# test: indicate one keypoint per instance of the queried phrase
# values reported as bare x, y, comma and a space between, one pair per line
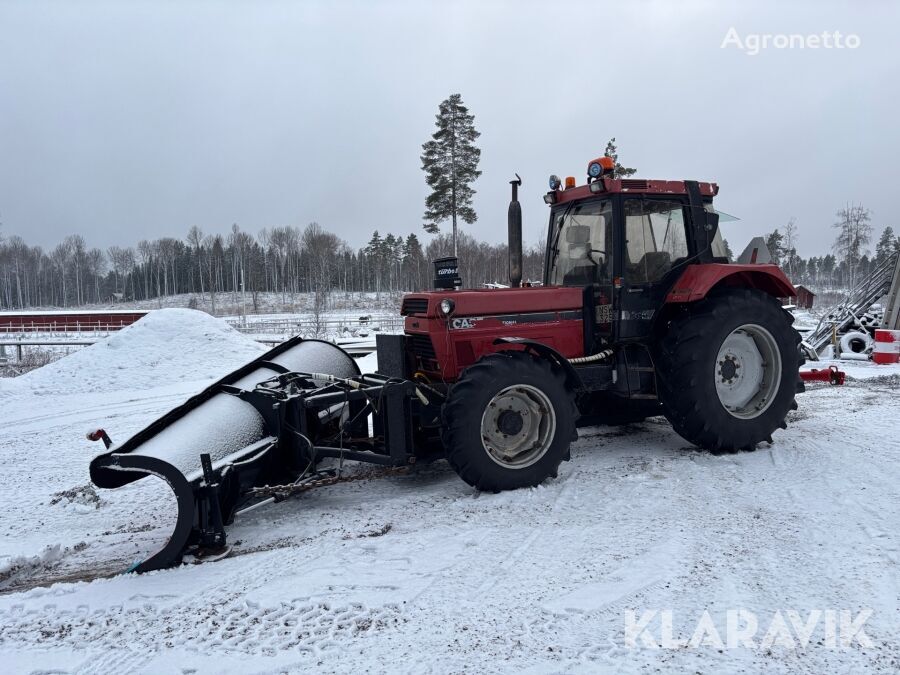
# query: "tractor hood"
490, 301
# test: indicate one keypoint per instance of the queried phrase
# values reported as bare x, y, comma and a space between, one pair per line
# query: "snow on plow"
231, 437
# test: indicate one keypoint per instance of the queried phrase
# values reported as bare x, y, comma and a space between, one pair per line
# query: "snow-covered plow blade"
266, 424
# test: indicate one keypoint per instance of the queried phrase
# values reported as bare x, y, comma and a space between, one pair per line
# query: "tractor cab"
629, 240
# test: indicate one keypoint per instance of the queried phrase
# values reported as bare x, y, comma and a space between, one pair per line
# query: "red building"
68, 320
804, 298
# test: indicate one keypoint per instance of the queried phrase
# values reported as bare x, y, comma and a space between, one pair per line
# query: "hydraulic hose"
599, 356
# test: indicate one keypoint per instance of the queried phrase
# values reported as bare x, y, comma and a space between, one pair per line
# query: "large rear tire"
728, 369
508, 422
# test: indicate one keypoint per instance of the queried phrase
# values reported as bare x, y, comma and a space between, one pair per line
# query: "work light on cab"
600, 166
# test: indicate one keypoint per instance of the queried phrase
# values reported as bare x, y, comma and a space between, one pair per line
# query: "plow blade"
218, 444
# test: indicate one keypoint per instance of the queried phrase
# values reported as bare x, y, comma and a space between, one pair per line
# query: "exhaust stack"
514, 226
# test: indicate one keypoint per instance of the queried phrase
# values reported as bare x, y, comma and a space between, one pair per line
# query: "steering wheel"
590, 255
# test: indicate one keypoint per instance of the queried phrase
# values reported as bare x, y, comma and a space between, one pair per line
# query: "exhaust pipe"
514, 227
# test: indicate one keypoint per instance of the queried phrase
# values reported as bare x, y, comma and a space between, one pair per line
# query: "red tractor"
639, 313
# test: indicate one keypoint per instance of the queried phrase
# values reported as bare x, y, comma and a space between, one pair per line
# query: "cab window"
655, 238
580, 245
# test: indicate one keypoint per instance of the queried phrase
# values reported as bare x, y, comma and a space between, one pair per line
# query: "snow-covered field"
421, 573
234, 304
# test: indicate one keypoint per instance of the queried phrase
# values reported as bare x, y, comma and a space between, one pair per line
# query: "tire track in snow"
121, 659
211, 624
220, 594
219, 614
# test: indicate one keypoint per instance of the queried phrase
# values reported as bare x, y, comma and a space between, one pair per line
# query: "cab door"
579, 254
654, 249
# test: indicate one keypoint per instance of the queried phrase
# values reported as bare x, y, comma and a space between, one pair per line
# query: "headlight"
447, 305
594, 169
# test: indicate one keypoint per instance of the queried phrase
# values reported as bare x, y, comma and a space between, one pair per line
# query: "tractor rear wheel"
508, 422
728, 370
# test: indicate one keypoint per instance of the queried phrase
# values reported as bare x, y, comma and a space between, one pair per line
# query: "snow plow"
639, 313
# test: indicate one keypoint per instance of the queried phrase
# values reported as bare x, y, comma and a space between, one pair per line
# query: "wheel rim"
518, 426
747, 371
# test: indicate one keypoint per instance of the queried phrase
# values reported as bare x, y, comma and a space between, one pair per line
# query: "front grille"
414, 306
634, 184
421, 346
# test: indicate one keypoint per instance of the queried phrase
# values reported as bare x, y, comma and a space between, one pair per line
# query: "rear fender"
697, 281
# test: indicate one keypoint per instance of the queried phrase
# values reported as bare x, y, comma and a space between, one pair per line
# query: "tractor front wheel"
728, 369
508, 422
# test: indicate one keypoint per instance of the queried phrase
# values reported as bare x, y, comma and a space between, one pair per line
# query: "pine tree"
450, 162
728, 252
829, 265
392, 246
375, 251
887, 245
413, 263
775, 244
612, 151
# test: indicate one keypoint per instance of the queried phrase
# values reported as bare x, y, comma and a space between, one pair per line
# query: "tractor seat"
582, 270
582, 275
652, 265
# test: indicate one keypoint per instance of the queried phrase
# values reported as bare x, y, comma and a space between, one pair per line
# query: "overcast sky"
128, 120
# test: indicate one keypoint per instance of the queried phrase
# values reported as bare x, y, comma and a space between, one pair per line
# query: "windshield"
580, 239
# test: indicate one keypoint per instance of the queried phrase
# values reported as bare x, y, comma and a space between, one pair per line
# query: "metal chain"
280, 492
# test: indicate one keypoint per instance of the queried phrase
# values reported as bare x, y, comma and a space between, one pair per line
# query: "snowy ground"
422, 574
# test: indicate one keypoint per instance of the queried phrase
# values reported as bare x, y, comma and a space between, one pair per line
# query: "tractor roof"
631, 186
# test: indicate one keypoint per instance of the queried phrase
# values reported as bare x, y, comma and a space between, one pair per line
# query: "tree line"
851, 259
290, 260
285, 261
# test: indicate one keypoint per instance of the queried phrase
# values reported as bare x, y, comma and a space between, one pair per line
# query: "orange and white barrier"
887, 346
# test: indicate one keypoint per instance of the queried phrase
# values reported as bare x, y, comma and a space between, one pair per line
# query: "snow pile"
10, 566
166, 346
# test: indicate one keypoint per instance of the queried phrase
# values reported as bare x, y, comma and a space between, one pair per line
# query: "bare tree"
129, 263
854, 232
195, 240
145, 255
78, 249
213, 267
95, 267
60, 259
168, 250
790, 246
